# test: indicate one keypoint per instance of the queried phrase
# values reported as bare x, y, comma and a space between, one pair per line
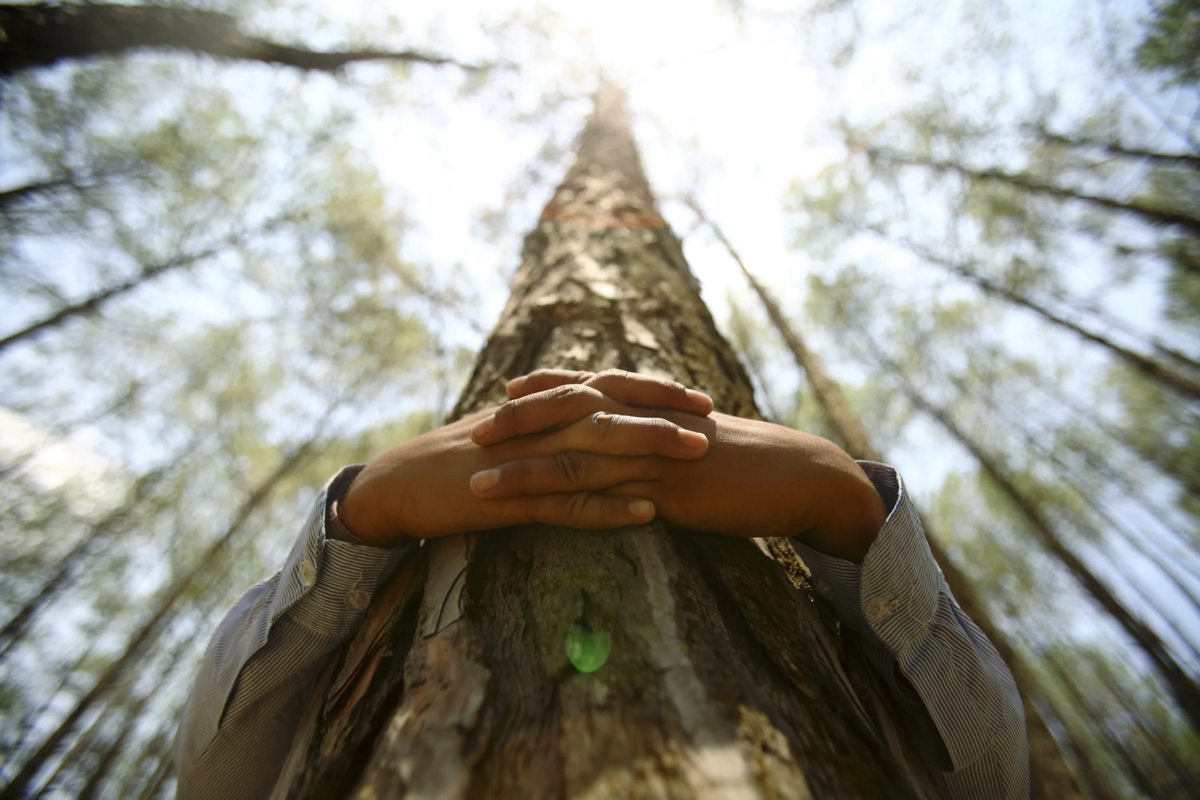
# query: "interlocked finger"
543, 411
571, 471
624, 435
633, 389
543, 379
550, 399
584, 510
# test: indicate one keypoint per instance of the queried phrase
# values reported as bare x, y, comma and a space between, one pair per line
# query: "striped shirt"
959, 700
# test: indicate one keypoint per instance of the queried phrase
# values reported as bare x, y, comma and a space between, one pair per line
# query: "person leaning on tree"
601, 451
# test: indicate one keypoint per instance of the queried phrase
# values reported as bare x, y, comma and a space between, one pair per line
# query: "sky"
737, 109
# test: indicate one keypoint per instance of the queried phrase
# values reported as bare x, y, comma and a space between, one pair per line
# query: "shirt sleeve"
266, 655
962, 711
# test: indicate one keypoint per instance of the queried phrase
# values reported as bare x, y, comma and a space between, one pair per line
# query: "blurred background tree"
224, 278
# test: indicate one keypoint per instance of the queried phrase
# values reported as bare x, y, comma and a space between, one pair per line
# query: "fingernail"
483, 426
692, 439
515, 385
641, 509
700, 399
482, 481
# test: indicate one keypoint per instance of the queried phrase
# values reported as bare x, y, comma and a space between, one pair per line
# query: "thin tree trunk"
1178, 682
97, 772
1098, 783
42, 35
1050, 778
165, 770
94, 302
1157, 159
1152, 549
114, 750
150, 629
1143, 364
81, 743
1149, 214
67, 565
722, 679
10, 197
1148, 777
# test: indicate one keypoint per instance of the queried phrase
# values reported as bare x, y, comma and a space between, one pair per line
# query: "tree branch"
1149, 214
42, 35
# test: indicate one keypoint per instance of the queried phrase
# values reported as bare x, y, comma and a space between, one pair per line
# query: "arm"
266, 654
957, 697
857, 529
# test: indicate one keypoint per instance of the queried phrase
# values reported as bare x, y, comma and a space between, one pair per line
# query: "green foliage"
1172, 42
306, 322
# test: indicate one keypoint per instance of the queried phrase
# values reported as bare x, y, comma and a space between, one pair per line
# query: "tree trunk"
42, 35
710, 675
1048, 773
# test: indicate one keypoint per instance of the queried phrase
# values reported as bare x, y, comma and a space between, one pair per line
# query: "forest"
245, 244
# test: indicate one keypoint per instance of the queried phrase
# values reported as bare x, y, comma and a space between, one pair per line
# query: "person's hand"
422, 488
757, 479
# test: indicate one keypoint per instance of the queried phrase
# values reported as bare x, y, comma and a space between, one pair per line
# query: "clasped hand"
604, 450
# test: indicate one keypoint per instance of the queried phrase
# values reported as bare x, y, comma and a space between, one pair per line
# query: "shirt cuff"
326, 582
891, 598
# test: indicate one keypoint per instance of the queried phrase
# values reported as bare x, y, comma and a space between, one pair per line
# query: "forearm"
959, 701
265, 656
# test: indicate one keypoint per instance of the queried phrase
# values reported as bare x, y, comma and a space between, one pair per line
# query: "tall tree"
722, 678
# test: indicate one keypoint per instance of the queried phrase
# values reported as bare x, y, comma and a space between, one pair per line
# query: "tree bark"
42, 35
1050, 778
723, 680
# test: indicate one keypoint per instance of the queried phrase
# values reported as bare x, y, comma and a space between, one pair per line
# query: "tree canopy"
244, 244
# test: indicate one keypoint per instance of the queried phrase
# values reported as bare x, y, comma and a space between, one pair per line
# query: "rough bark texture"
1050, 778
42, 35
723, 679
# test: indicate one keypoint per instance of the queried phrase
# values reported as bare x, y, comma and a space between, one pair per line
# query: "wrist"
852, 516
363, 516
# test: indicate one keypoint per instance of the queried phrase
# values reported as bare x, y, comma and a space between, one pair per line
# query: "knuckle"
572, 468
507, 411
604, 423
563, 397
610, 516
576, 505
517, 474
659, 429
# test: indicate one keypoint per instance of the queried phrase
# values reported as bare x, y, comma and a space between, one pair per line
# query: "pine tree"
718, 677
